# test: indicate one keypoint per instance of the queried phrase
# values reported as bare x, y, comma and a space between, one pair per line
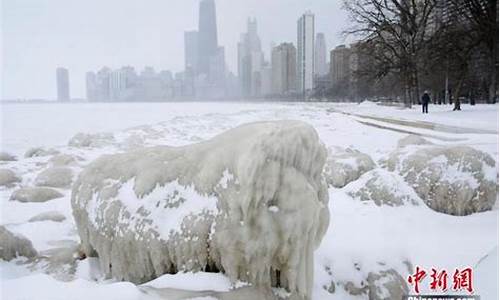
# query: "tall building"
207, 35
62, 78
91, 86
320, 64
250, 60
305, 53
191, 51
340, 64
284, 67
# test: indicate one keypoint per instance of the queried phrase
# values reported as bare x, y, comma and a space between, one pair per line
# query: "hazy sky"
83, 35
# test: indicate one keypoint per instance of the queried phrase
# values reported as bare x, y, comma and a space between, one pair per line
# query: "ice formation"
96, 140
13, 245
383, 188
346, 165
456, 180
382, 285
412, 139
4, 156
58, 177
35, 194
38, 151
251, 202
62, 160
54, 216
8, 177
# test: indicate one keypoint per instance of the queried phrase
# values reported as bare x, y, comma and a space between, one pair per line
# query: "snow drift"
251, 202
346, 165
456, 180
35, 194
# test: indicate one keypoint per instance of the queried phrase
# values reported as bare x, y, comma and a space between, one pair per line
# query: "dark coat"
426, 99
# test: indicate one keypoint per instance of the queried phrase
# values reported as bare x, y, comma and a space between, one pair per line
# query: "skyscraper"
305, 53
191, 51
339, 64
62, 78
320, 65
284, 67
207, 35
250, 60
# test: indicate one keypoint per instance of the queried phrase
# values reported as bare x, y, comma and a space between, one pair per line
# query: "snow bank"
96, 140
12, 245
486, 276
8, 177
54, 216
58, 177
456, 180
250, 202
35, 194
383, 188
346, 165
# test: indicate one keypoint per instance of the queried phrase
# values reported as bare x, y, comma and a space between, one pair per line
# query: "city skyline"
20, 68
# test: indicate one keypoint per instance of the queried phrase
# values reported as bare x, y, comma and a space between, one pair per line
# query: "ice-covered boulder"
39, 151
383, 188
35, 194
346, 165
62, 160
91, 140
251, 202
382, 285
412, 139
54, 216
4, 156
58, 177
13, 245
456, 180
8, 177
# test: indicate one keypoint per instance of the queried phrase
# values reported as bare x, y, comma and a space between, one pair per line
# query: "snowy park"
215, 200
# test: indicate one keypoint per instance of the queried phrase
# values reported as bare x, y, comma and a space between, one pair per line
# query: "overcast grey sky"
83, 35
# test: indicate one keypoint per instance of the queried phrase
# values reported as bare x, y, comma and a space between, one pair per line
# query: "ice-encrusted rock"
251, 202
62, 160
383, 188
39, 151
412, 139
4, 156
58, 177
382, 285
346, 165
54, 216
91, 140
8, 177
35, 194
456, 180
13, 245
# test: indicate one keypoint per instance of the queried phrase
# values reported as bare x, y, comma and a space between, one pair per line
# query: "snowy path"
362, 237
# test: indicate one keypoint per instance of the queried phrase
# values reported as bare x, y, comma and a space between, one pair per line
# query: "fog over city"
82, 36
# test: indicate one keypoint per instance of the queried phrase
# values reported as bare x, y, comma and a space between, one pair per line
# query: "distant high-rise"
191, 51
207, 35
320, 65
284, 65
250, 60
62, 78
339, 64
305, 53
91, 86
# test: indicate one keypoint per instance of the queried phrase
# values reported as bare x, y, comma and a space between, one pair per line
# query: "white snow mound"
346, 165
8, 177
58, 177
251, 202
456, 180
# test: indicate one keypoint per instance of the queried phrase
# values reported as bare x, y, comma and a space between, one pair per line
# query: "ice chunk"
412, 139
456, 180
346, 165
38, 151
382, 285
54, 216
62, 160
96, 140
8, 177
35, 194
4, 156
58, 177
13, 245
251, 202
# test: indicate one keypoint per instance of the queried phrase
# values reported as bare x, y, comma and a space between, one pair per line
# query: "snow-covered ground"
363, 238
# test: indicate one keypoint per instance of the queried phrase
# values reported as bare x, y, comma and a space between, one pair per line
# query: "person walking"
425, 102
